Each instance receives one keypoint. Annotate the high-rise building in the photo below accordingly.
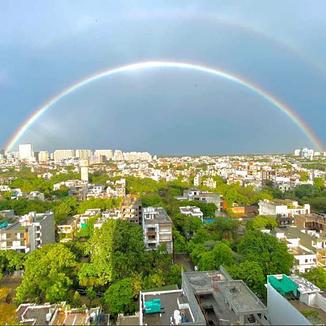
(26, 152)
(83, 154)
(84, 170)
(43, 156)
(63, 154)
(108, 153)
(118, 155)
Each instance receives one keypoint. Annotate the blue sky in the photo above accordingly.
(46, 46)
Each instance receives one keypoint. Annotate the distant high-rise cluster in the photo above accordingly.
(98, 156)
(307, 153)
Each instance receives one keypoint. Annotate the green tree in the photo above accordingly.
(101, 203)
(319, 183)
(224, 227)
(64, 209)
(251, 273)
(304, 176)
(76, 299)
(154, 280)
(318, 204)
(48, 276)
(152, 199)
(174, 275)
(271, 254)
(317, 276)
(120, 297)
(179, 242)
(116, 250)
(10, 261)
(212, 260)
(262, 222)
(91, 294)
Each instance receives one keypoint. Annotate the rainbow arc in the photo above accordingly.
(278, 104)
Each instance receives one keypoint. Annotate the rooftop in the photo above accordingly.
(156, 215)
(222, 300)
(292, 232)
(292, 288)
(170, 302)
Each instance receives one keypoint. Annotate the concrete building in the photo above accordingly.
(192, 211)
(223, 301)
(118, 156)
(157, 228)
(84, 170)
(210, 183)
(282, 208)
(43, 157)
(197, 180)
(63, 154)
(202, 196)
(206, 298)
(315, 221)
(292, 300)
(26, 152)
(84, 154)
(300, 246)
(314, 227)
(30, 232)
(107, 153)
(120, 187)
(36, 195)
(131, 209)
(137, 156)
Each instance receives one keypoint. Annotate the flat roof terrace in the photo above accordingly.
(170, 302)
(241, 298)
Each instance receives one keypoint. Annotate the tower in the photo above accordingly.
(84, 170)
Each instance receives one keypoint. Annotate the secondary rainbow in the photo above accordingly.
(168, 65)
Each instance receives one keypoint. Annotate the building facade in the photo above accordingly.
(157, 228)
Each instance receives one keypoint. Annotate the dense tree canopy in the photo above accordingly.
(221, 254)
(120, 297)
(271, 254)
(10, 261)
(262, 222)
(251, 273)
(48, 275)
(116, 250)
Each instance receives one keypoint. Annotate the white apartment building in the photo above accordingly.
(210, 183)
(118, 156)
(107, 153)
(197, 180)
(63, 154)
(305, 256)
(157, 228)
(137, 156)
(43, 156)
(84, 170)
(192, 211)
(83, 154)
(202, 196)
(283, 208)
(26, 152)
